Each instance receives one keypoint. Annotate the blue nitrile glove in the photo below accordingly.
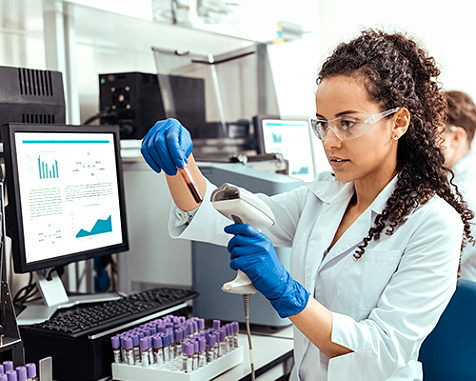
(253, 253)
(167, 146)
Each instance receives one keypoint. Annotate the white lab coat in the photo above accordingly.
(384, 304)
(465, 180)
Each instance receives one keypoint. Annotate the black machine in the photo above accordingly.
(134, 101)
(31, 96)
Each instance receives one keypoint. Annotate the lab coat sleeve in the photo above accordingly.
(208, 225)
(409, 307)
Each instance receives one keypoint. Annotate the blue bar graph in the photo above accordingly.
(46, 172)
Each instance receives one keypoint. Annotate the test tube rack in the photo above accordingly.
(172, 372)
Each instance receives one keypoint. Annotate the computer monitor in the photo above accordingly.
(292, 139)
(65, 194)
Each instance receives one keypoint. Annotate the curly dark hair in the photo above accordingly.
(396, 72)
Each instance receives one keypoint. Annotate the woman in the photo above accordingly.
(376, 244)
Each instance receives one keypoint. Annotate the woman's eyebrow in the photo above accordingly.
(346, 112)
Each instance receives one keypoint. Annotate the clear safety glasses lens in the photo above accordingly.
(346, 128)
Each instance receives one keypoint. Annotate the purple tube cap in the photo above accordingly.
(165, 339)
(196, 346)
(115, 342)
(31, 370)
(21, 373)
(216, 324)
(187, 348)
(222, 333)
(7, 365)
(135, 339)
(1, 369)
(202, 344)
(156, 341)
(3, 377)
(11, 375)
(144, 343)
(201, 323)
(211, 339)
(127, 343)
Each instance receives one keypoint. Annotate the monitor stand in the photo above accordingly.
(54, 297)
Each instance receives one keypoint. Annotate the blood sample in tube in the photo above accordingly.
(187, 176)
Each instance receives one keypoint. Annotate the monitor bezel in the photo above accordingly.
(14, 219)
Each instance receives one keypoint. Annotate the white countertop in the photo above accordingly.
(266, 349)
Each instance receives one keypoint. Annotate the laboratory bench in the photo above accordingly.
(272, 354)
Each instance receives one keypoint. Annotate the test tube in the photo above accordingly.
(202, 357)
(236, 329)
(165, 343)
(187, 176)
(216, 324)
(116, 350)
(145, 350)
(11, 375)
(31, 371)
(157, 350)
(135, 349)
(195, 354)
(178, 341)
(171, 346)
(187, 357)
(21, 373)
(128, 351)
(211, 347)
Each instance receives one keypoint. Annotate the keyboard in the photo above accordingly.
(86, 319)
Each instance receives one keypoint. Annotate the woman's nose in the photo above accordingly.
(331, 140)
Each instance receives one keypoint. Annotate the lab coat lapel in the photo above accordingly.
(355, 234)
(351, 237)
(335, 197)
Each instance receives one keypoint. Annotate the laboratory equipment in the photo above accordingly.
(11, 345)
(31, 96)
(79, 337)
(211, 263)
(237, 85)
(133, 100)
(66, 201)
(241, 207)
(292, 139)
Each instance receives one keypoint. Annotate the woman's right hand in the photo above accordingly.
(167, 146)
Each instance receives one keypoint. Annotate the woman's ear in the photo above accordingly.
(401, 121)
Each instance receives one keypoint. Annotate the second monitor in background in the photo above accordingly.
(292, 139)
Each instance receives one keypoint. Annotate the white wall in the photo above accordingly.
(446, 29)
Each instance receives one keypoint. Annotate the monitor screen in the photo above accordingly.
(290, 138)
(65, 186)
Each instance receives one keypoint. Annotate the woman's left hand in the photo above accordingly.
(253, 253)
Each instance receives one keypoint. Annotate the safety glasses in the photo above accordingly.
(348, 127)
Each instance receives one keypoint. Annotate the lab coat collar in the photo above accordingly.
(466, 164)
(378, 205)
(329, 190)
